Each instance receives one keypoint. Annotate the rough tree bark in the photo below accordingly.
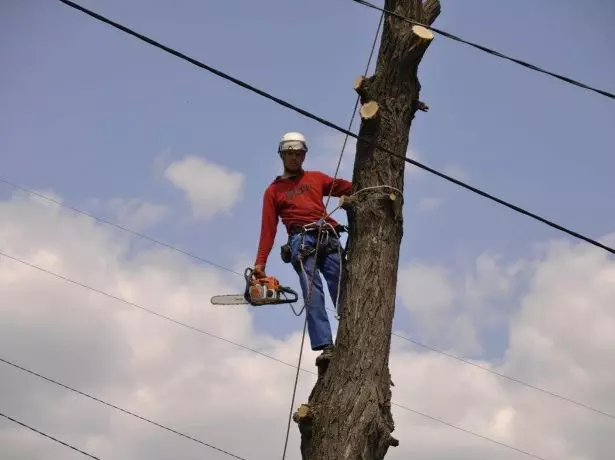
(348, 414)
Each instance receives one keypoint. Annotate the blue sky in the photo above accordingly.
(94, 114)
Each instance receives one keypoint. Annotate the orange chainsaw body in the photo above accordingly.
(264, 290)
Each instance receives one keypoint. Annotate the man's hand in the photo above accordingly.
(259, 271)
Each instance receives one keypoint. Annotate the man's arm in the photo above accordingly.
(269, 227)
(337, 187)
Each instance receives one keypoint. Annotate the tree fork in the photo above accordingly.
(348, 413)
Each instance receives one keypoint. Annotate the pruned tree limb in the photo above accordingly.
(431, 10)
(347, 202)
(369, 111)
(418, 41)
(420, 105)
(361, 88)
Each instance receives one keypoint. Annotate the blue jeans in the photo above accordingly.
(329, 264)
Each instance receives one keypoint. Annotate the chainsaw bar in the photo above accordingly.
(229, 299)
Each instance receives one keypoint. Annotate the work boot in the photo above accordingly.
(325, 356)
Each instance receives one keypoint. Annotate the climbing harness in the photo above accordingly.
(326, 247)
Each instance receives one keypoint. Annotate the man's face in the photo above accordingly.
(293, 159)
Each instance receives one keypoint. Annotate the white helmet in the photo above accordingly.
(292, 141)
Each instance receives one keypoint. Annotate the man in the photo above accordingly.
(297, 198)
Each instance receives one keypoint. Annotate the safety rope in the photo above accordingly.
(307, 301)
(323, 219)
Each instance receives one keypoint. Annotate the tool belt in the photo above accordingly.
(296, 229)
(285, 250)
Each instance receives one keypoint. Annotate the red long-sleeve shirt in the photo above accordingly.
(296, 200)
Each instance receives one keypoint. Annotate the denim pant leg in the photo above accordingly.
(319, 328)
(331, 267)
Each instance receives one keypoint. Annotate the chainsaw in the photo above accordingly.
(258, 292)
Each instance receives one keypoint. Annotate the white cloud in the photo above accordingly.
(425, 288)
(451, 309)
(136, 213)
(429, 293)
(210, 188)
(562, 338)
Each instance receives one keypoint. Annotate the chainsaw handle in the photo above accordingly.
(287, 290)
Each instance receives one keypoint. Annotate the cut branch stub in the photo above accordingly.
(302, 414)
(396, 206)
(347, 202)
(370, 116)
(422, 32)
(431, 10)
(417, 42)
(369, 111)
(359, 87)
(420, 105)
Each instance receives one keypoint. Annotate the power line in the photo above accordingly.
(415, 342)
(489, 51)
(339, 128)
(227, 269)
(226, 340)
(508, 446)
(435, 419)
(135, 305)
(47, 436)
(113, 406)
(504, 376)
(198, 330)
(255, 351)
(113, 224)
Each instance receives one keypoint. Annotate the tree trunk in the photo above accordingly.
(348, 414)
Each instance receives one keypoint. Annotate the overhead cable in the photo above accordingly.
(47, 436)
(113, 406)
(338, 128)
(489, 50)
(196, 329)
(486, 438)
(435, 419)
(415, 342)
(118, 226)
(140, 307)
(507, 377)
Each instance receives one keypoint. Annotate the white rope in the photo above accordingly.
(375, 187)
